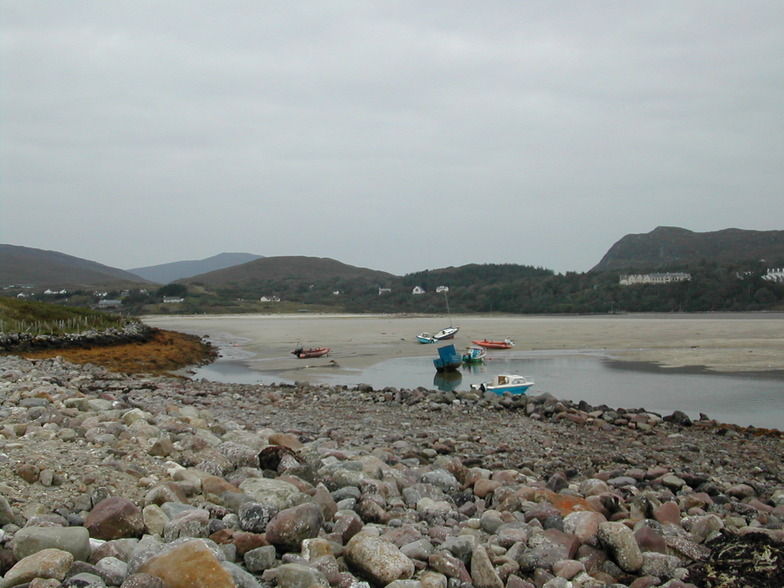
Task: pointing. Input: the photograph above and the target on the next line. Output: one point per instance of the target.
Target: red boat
(505, 344)
(305, 352)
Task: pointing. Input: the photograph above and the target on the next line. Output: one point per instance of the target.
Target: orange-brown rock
(190, 565)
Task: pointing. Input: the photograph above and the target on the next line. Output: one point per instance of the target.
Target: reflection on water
(745, 400)
(447, 381)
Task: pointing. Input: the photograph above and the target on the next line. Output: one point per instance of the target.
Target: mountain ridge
(166, 273)
(53, 269)
(672, 247)
(662, 248)
(285, 267)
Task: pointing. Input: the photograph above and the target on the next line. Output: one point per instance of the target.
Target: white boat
(505, 383)
(446, 333)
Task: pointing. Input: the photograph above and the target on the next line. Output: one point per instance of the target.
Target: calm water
(594, 377)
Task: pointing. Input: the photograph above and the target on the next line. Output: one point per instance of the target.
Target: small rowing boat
(306, 352)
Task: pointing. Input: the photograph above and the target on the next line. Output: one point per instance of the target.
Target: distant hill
(51, 269)
(169, 272)
(300, 268)
(672, 247)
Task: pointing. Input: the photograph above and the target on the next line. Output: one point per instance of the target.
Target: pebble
(141, 482)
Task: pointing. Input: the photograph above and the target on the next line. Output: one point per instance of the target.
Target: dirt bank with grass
(164, 353)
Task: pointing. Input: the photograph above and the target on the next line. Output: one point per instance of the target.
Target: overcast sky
(393, 135)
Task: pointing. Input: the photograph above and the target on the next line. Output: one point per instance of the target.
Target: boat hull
(447, 333)
(503, 383)
(448, 359)
(500, 390)
(494, 344)
(311, 352)
(474, 355)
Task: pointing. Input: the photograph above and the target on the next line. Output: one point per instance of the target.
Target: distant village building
(269, 299)
(662, 278)
(418, 290)
(775, 275)
(384, 291)
(173, 299)
(108, 303)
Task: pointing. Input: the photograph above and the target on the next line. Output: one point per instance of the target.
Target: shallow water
(747, 400)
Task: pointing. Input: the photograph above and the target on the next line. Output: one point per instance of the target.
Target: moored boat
(505, 344)
(426, 338)
(505, 383)
(474, 355)
(446, 333)
(448, 359)
(306, 352)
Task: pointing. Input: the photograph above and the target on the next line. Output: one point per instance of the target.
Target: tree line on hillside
(476, 288)
(482, 288)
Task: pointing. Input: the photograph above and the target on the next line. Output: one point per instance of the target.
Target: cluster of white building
(662, 278)
(775, 275)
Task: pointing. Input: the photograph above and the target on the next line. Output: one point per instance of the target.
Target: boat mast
(445, 289)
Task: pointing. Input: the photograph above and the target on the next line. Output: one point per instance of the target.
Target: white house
(108, 303)
(384, 291)
(418, 290)
(775, 275)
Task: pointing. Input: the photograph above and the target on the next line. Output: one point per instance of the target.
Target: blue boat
(448, 359)
(505, 383)
(474, 354)
(426, 338)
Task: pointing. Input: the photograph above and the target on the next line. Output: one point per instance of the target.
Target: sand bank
(747, 342)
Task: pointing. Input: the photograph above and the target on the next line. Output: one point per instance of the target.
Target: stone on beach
(379, 559)
(113, 518)
(47, 563)
(75, 540)
(188, 565)
(621, 542)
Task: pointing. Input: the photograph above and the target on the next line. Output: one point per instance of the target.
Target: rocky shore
(132, 331)
(148, 481)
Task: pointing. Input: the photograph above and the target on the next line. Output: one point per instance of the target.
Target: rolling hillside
(672, 247)
(177, 270)
(51, 269)
(299, 268)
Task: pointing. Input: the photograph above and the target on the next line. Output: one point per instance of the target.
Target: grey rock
(75, 540)
(621, 543)
(260, 559)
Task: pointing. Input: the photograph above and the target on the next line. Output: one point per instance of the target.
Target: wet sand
(747, 342)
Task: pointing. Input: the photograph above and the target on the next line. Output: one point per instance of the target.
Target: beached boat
(446, 333)
(426, 338)
(306, 352)
(474, 355)
(505, 344)
(450, 331)
(505, 383)
(448, 359)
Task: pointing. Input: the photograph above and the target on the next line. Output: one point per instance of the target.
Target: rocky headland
(110, 479)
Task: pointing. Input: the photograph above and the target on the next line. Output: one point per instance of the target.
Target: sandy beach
(747, 342)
